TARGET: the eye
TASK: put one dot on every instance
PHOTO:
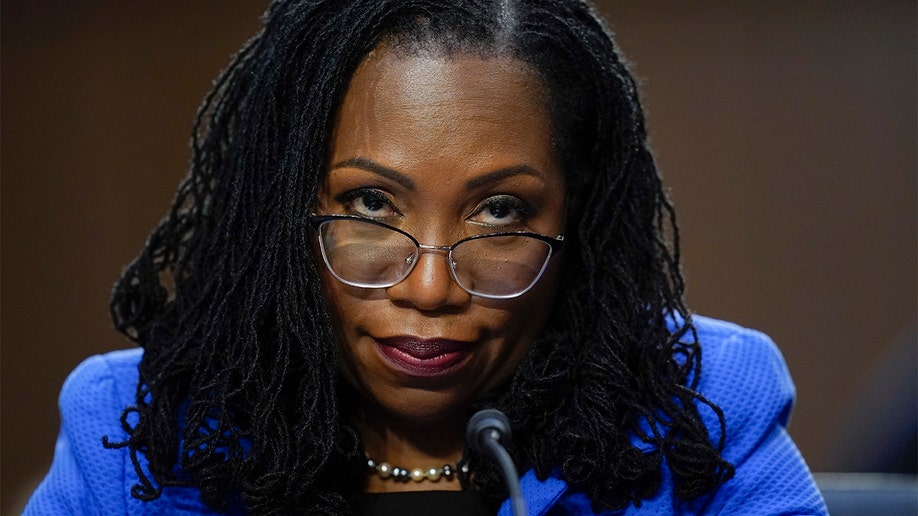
(367, 202)
(501, 210)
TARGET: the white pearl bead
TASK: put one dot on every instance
(417, 474)
(433, 474)
(384, 469)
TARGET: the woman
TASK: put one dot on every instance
(399, 212)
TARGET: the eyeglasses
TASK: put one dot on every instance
(366, 253)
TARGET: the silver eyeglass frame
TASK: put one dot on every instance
(555, 245)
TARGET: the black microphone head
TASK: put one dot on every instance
(485, 424)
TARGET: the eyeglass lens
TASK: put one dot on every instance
(368, 255)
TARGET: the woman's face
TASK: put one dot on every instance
(442, 148)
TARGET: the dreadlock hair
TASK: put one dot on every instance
(238, 392)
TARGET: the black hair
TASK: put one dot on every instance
(238, 392)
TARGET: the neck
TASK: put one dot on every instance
(410, 445)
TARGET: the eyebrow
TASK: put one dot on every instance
(371, 166)
(407, 183)
(502, 173)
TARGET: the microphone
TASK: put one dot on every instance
(487, 433)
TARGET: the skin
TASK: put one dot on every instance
(435, 140)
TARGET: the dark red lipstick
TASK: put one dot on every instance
(416, 356)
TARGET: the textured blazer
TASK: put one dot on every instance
(742, 372)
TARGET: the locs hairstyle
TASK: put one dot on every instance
(238, 393)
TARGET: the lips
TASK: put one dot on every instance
(423, 357)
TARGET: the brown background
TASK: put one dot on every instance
(786, 133)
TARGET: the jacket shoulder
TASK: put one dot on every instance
(84, 475)
(94, 382)
(744, 373)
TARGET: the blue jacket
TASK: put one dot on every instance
(742, 372)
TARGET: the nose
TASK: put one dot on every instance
(429, 286)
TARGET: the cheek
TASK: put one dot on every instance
(525, 322)
(540, 300)
(343, 301)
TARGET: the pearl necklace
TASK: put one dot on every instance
(386, 471)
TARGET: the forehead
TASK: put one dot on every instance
(401, 105)
(428, 77)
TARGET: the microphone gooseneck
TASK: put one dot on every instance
(487, 433)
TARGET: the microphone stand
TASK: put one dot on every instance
(486, 432)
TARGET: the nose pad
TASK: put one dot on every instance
(430, 285)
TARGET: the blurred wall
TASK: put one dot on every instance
(787, 134)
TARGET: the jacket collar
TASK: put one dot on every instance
(540, 495)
